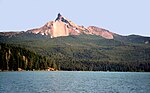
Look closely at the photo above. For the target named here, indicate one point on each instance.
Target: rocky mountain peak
(58, 16)
(100, 31)
(61, 18)
(62, 26)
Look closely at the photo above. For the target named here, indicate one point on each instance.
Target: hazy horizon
(124, 17)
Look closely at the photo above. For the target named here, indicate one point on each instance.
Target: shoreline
(67, 71)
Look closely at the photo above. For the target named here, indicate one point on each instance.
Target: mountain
(63, 45)
(62, 26)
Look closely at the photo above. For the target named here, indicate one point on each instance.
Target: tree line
(12, 58)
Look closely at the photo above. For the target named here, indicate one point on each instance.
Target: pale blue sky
(120, 16)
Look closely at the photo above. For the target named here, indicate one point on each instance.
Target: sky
(123, 17)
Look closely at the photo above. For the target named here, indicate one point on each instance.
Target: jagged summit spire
(62, 26)
(59, 16)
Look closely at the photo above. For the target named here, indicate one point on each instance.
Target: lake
(74, 82)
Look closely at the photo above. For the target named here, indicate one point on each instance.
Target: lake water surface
(74, 82)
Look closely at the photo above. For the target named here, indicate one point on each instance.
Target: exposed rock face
(59, 29)
(62, 26)
(99, 31)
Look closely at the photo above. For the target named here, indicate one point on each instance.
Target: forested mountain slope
(86, 52)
